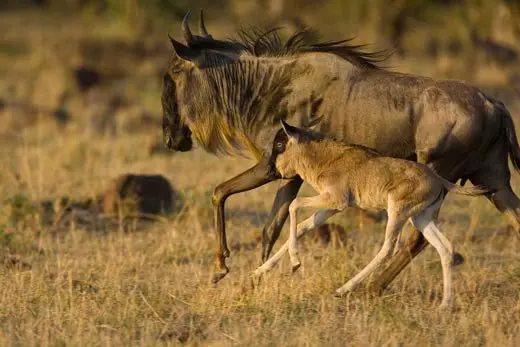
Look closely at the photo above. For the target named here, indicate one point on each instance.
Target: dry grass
(149, 284)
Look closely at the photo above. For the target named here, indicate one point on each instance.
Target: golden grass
(150, 285)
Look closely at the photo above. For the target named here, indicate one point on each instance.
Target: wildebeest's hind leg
(396, 221)
(506, 201)
(495, 175)
(279, 212)
(250, 179)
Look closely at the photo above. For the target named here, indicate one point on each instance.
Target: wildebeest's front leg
(254, 177)
(279, 213)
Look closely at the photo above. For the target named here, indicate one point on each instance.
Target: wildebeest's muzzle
(177, 135)
(180, 140)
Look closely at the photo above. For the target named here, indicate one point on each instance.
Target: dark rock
(86, 78)
(138, 194)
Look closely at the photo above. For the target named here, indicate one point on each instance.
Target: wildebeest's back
(402, 115)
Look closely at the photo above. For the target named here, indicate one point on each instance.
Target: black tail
(512, 142)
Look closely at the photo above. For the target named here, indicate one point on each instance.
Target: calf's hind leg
(394, 226)
(443, 247)
(414, 243)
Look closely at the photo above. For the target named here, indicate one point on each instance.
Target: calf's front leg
(313, 221)
(319, 201)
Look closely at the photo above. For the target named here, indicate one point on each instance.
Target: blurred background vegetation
(91, 58)
(80, 86)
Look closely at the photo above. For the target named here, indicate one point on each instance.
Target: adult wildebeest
(347, 175)
(230, 95)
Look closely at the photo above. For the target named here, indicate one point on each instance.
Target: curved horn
(202, 26)
(188, 36)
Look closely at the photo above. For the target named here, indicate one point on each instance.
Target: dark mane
(268, 43)
(261, 43)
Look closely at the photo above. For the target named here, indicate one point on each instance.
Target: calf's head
(285, 151)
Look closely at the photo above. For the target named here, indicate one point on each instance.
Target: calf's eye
(279, 146)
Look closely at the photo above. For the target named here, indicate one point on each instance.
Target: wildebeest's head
(186, 90)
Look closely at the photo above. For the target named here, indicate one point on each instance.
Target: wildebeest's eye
(280, 146)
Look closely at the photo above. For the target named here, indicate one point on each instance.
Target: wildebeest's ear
(185, 53)
(291, 131)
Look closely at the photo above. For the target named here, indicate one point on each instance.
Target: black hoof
(296, 267)
(457, 259)
(217, 276)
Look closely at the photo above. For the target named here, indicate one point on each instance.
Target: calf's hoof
(295, 267)
(337, 294)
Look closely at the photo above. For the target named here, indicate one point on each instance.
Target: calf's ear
(292, 132)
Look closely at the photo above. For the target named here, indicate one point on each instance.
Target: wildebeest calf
(350, 175)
